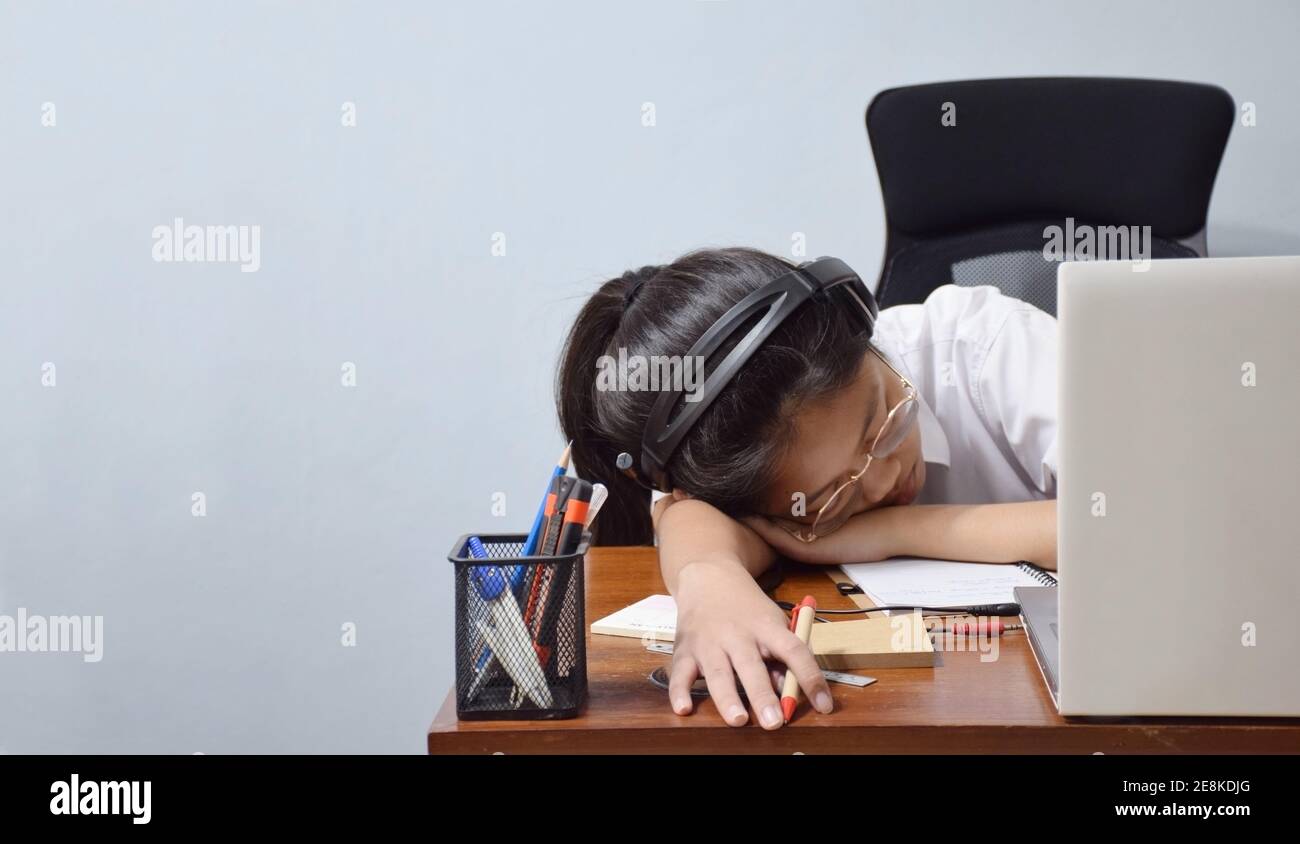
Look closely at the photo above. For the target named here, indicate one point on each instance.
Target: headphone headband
(776, 301)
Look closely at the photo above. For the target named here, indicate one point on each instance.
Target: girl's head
(796, 419)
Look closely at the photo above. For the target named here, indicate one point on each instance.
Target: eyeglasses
(843, 502)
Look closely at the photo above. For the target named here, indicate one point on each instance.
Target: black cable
(975, 609)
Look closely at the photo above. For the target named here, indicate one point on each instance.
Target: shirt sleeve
(655, 495)
(1016, 391)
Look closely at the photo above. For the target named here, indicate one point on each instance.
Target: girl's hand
(727, 627)
(864, 538)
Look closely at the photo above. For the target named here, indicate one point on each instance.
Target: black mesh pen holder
(521, 648)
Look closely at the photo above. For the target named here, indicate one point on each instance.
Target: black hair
(731, 456)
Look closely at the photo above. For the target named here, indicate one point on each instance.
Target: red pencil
(801, 622)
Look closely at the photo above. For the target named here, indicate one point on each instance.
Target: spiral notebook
(913, 581)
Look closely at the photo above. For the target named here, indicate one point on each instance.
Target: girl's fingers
(798, 658)
(722, 688)
(680, 679)
(754, 675)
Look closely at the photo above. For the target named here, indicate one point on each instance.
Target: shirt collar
(934, 442)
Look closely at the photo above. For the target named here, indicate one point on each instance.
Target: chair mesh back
(1010, 258)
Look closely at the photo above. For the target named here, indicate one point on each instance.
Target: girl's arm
(988, 533)
(726, 626)
(985, 533)
(699, 532)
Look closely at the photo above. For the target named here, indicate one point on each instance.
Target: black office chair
(973, 173)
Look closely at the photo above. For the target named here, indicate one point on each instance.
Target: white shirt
(984, 367)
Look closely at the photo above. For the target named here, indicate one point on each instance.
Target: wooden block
(898, 641)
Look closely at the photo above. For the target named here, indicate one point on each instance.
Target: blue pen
(489, 581)
(535, 535)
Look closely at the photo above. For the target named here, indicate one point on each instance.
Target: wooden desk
(962, 705)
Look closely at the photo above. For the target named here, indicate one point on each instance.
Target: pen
(522, 666)
(801, 621)
(489, 582)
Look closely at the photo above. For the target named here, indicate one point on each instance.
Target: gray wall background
(329, 504)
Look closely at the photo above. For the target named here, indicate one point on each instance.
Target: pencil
(535, 535)
(801, 623)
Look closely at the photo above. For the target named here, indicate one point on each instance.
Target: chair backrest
(979, 176)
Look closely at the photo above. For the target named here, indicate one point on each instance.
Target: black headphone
(821, 279)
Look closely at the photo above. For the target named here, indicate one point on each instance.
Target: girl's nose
(879, 480)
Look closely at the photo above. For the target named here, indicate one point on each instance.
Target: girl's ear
(678, 495)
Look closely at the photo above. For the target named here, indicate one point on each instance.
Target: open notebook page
(913, 581)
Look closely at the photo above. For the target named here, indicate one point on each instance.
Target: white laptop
(1179, 488)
